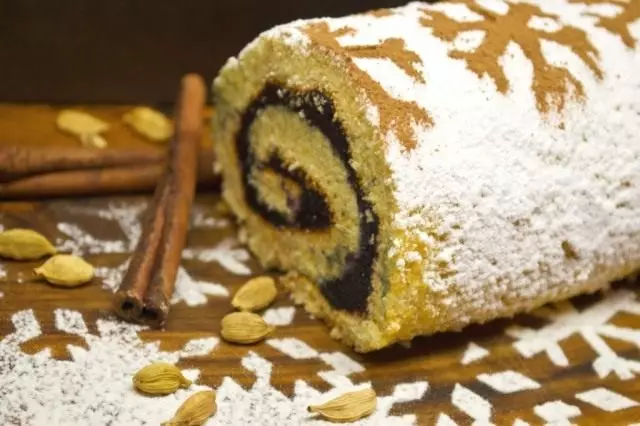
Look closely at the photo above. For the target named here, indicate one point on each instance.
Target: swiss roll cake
(419, 169)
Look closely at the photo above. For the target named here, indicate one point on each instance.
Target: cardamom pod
(195, 410)
(80, 123)
(24, 244)
(65, 270)
(349, 407)
(244, 328)
(150, 123)
(255, 294)
(160, 378)
(93, 140)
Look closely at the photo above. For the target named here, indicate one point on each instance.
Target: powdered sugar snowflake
(227, 253)
(192, 291)
(94, 386)
(592, 324)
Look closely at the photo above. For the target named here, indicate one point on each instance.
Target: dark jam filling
(352, 288)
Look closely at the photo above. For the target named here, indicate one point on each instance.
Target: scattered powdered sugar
(81, 242)
(199, 347)
(70, 322)
(269, 407)
(200, 219)
(279, 316)
(474, 352)
(508, 381)
(472, 404)
(112, 277)
(509, 187)
(94, 386)
(557, 412)
(606, 399)
(444, 420)
(227, 253)
(194, 292)
(342, 363)
(187, 289)
(294, 348)
(127, 215)
(592, 324)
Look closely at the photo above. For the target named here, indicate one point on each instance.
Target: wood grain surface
(436, 359)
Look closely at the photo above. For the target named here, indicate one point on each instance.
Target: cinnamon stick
(130, 295)
(111, 180)
(84, 182)
(18, 162)
(182, 182)
(145, 293)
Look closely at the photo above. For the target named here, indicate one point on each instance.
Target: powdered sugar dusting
(557, 412)
(279, 316)
(511, 182)
(112, 277)
(70, 322)
(606, 400)
(591, 323)
(295, 348)
(128, 216)
(199, 347)
(80, 243)
(200, 219)
(471, 403)
(508, 381)
(341, 363)
(444, 420)
(227, 253)
(93, 388)
(194, 292)
(555, 183)
(473, 353)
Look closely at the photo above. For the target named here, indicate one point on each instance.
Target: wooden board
(578, 361)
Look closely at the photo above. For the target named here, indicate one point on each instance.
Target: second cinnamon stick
(18, 162)
(145, 293)
(102, 181)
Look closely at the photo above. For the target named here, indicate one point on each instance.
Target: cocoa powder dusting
(396, 115)
(618, 24)
(551, 84)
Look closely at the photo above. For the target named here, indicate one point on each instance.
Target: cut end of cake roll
(403, 188)
(304, 172)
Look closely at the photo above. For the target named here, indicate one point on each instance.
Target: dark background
(131, 51)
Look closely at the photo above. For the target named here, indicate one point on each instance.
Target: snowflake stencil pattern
(592, 324)
(227, 253)
(393, 49)
(551, 84)
(627, 12)
(41, 390)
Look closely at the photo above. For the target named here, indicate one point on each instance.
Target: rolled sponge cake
(418, 169)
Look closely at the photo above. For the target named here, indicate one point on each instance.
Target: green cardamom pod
(24, 244)
(160, 378)
(65, 270)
